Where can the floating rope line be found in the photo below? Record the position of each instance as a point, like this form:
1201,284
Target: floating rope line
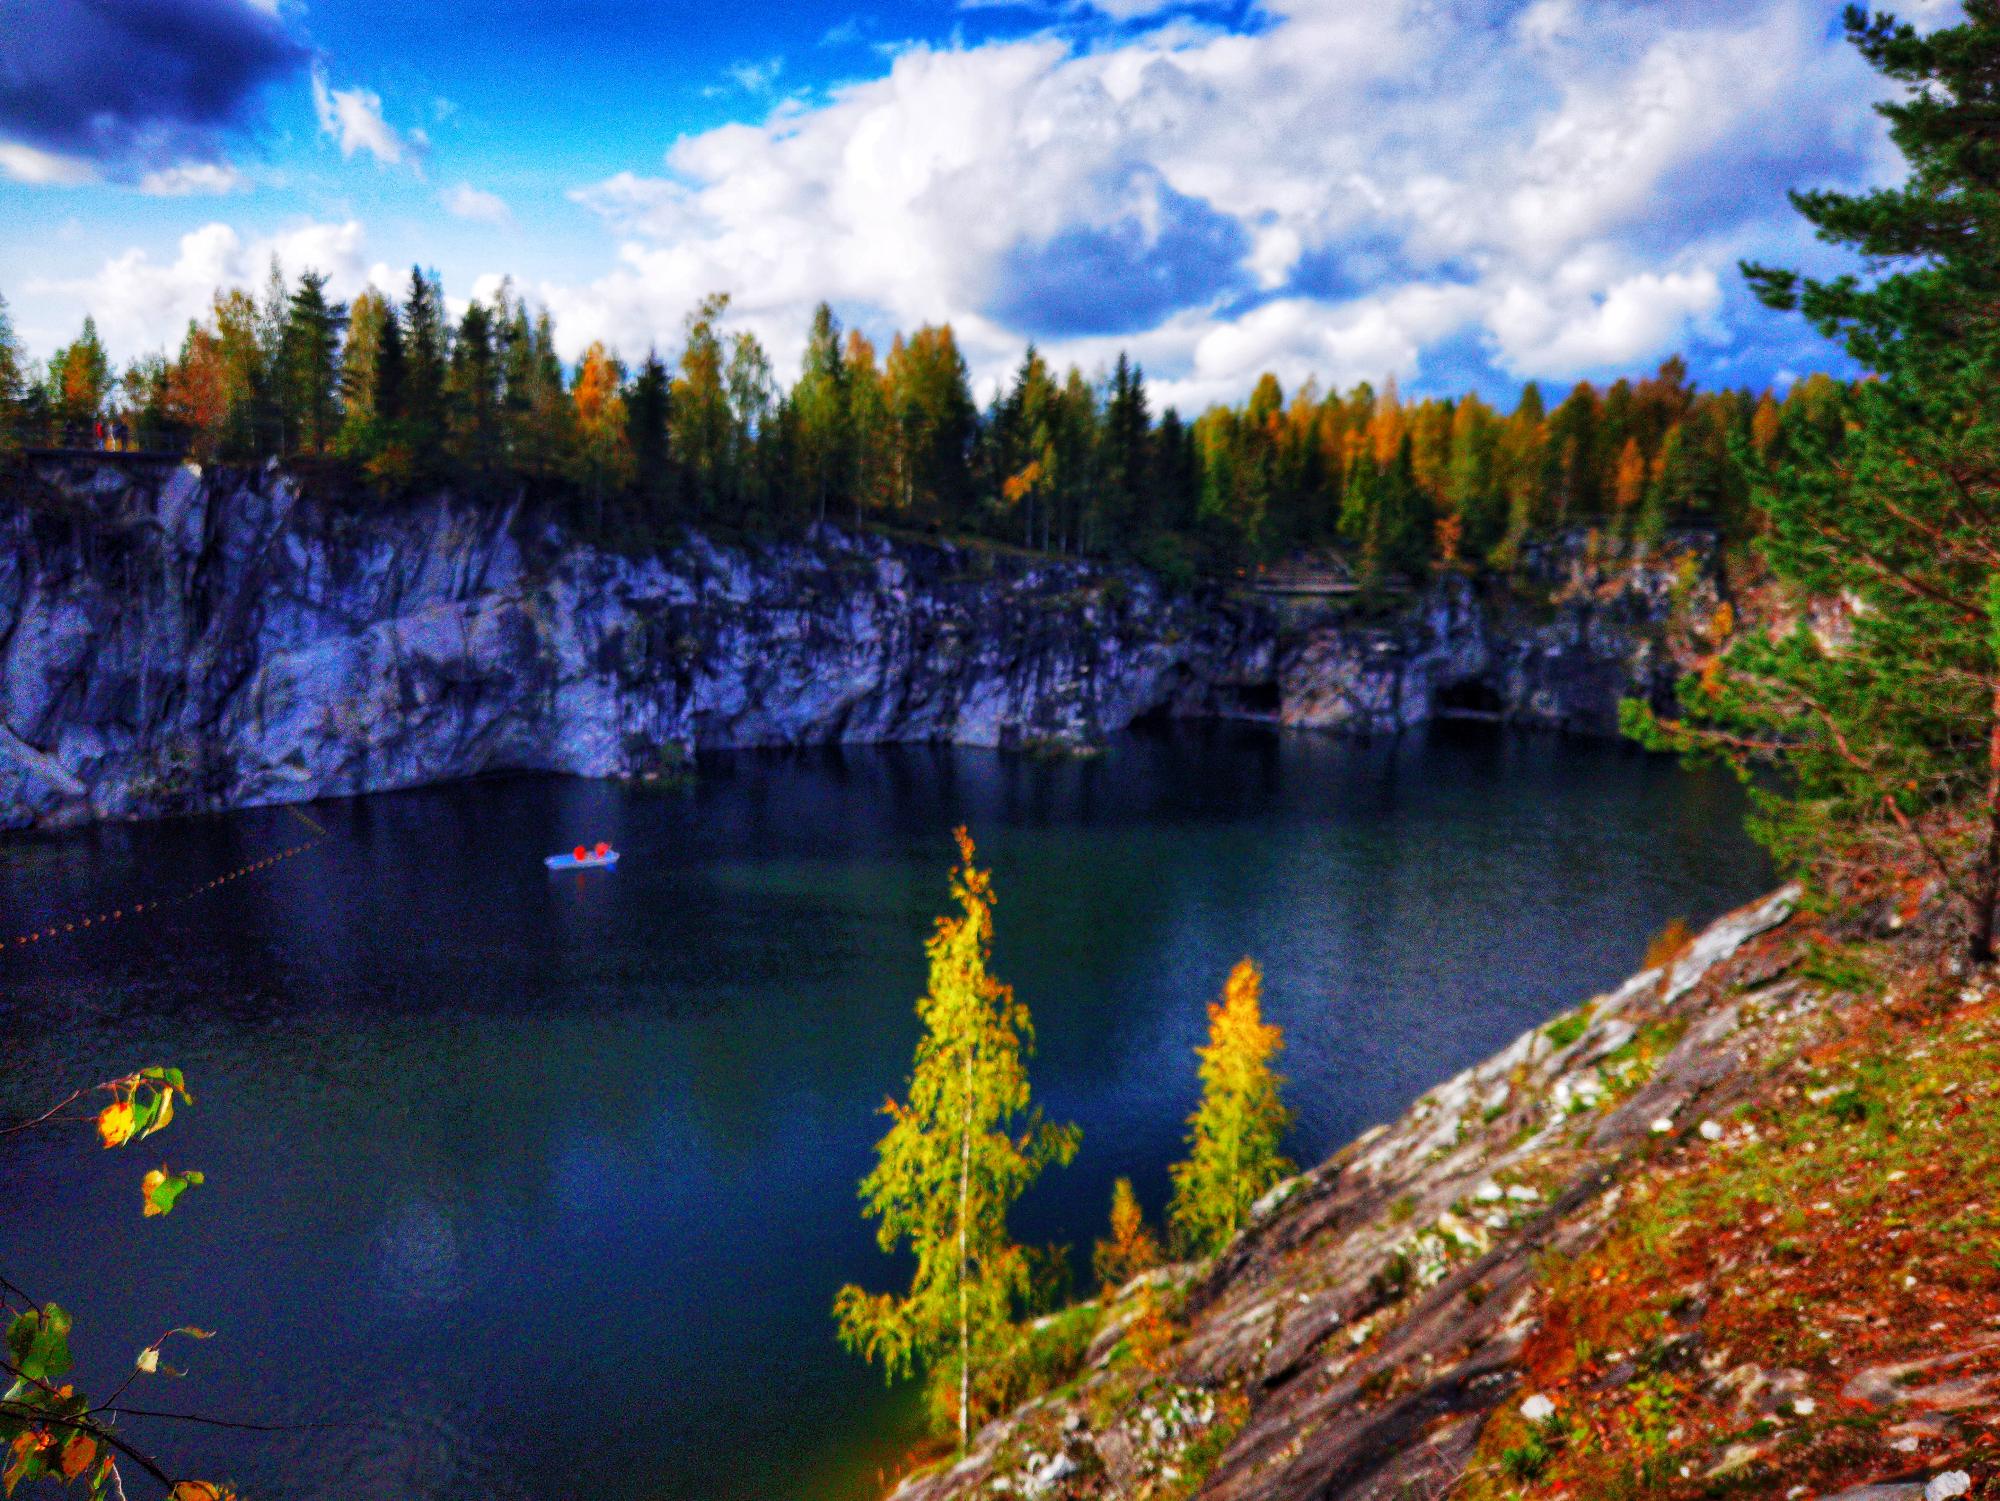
134,909
307,821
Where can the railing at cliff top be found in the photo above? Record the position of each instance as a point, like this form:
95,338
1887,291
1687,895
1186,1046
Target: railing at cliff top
65,440
1302,579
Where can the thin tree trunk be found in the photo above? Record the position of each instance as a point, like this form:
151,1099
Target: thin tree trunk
964,1195
1986,890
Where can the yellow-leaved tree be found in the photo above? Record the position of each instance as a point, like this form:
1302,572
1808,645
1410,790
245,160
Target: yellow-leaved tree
950,1168
1235,1132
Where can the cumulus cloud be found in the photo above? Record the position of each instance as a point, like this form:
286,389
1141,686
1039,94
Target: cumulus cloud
476,204
142,304
353,118
137,86
1559,188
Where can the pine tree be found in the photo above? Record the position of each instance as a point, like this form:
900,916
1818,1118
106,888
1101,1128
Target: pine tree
1130,1249
1889,733
951,1166
1235,1133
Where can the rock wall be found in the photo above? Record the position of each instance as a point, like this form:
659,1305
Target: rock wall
175,641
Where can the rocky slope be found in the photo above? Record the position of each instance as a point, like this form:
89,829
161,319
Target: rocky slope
174,641
1727,1230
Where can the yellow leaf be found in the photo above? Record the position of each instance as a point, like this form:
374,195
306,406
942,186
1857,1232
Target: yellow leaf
147,1184
197,1490
115,1123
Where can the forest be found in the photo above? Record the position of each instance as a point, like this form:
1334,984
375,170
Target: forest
398,396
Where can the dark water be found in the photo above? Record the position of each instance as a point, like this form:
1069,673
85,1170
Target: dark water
545,1183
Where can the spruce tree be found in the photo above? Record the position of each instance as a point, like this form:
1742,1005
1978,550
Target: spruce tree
820,408
1234,1134
472,393
424,363
308,386
952,1165
648,410
1887,726
1127,425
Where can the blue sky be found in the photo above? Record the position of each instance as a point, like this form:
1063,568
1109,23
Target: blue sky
1454,192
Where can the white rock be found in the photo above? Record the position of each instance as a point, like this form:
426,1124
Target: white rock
1662,1126
1711,1131
1523,1194
1538,1409
1950,1483
1803,1406
1488,1193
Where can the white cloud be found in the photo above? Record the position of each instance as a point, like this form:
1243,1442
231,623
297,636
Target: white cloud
757,77
353,117
20,163
1564,186
193,178
1575,323
476,204
144,304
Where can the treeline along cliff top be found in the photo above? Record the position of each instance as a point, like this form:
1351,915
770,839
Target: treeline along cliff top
394,396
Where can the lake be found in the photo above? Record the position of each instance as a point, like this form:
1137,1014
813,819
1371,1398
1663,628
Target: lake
536,1185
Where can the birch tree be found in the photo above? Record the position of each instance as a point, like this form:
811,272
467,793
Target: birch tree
952,1165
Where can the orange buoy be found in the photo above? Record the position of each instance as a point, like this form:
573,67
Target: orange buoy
603,849
580,852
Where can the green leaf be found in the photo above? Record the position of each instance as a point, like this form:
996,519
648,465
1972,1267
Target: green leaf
170,1076
39,1342
163,1189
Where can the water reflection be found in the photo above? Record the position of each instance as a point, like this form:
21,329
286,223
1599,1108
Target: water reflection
482,1143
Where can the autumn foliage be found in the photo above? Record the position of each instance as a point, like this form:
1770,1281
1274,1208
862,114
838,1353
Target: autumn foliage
48,1429
1131,1248
1235,1133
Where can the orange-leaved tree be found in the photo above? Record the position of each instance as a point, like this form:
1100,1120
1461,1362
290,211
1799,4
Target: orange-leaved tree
1130,1249
1235,1132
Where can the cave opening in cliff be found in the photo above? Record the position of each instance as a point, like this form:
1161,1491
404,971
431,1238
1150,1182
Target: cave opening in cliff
1472,699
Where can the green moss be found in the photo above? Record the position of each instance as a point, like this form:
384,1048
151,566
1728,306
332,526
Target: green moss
1565,1030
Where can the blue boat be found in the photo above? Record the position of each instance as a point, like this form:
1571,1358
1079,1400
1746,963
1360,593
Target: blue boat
590,861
